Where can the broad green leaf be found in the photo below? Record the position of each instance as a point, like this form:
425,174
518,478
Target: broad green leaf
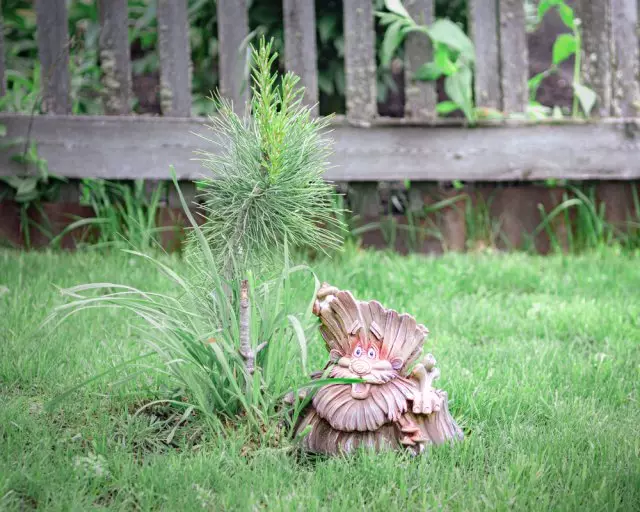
443,61
427,72
396,6
566,15
557,113
545,5
447,32
446,107
459,89
325,84
564,46
392,39
586,97
3,130
326,27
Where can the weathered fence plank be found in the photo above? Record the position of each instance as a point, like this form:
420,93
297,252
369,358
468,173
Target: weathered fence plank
360,61
233,30
420,96
514,58
626,93
144,147
3,84
300,47
175,58
483,17
596,54
53,51
115,59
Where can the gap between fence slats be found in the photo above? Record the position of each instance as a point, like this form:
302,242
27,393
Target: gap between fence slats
115,59
300,48
420,96
596,55
175,58
514,57
360,61
483,25
233,30
53,51
624,24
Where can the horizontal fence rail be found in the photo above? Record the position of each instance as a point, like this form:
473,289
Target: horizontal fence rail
367,147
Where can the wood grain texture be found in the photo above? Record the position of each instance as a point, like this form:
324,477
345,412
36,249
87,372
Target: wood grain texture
596,52
300,47
144,147
514,58
175,58
420,96
360,61
115,59
53,51
624,27
233,28
484,28
3,83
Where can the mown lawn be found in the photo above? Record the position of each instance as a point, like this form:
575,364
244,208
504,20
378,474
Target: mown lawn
540,356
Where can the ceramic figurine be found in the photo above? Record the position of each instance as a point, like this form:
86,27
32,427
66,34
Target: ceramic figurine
396,405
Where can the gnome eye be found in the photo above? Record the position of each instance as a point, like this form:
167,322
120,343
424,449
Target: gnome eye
357,352
372,353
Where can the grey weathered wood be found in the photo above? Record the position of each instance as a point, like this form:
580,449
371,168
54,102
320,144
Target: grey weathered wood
3,84
145,147
115,59
420,96
596,56
624,26
53,51
175,58
233,30
300,47
364,198
483,24
360,61
514,58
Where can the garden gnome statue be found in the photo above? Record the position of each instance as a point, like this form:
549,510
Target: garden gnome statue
396,405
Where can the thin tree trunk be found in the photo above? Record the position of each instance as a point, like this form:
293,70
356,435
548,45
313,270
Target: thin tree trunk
245,328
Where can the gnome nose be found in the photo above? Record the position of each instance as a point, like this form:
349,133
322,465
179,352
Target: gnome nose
360,367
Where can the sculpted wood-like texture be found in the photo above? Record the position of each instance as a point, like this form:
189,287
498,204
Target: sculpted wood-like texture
395,405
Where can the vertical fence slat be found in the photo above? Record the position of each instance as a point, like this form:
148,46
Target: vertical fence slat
53,50
233,29
624,19
3,84
300,47
596,54
420,96
175,58
483,24
514,56
360,61
115,59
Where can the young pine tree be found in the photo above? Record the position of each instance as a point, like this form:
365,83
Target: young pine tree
265,186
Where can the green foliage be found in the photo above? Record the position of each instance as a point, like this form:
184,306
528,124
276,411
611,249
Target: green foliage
454,55
265,187
564,47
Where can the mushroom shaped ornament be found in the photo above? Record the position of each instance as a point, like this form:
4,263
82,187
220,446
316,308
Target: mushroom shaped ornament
395,406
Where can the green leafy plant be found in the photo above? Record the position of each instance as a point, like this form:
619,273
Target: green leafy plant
565,46
453,56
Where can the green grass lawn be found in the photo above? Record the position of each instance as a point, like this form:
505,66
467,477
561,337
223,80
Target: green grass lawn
540,357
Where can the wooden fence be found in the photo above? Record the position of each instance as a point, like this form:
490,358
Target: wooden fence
368,148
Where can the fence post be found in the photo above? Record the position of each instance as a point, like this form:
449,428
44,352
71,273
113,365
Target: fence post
115,59
175,58
300,48
514,57
233,31
53,50
483,25
360,61
624,21
420,96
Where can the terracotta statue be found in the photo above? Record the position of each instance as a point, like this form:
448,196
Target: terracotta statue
396,405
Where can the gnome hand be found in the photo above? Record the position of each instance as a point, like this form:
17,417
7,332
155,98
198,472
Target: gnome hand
427,399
